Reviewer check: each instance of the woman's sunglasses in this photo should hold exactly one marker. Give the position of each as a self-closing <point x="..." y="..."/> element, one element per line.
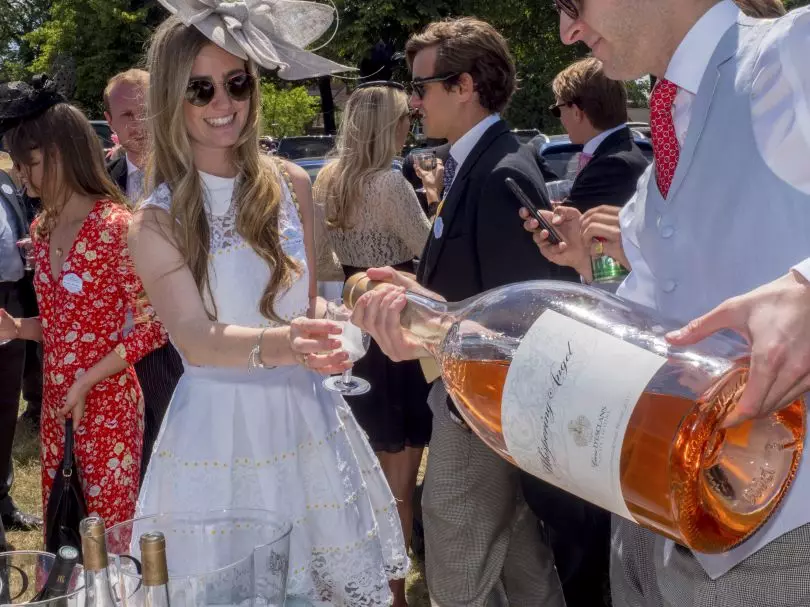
<point x="569" y="7"/>
<point x="201" y="90"/>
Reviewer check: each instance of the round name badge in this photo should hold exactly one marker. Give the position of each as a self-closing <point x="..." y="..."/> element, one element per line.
<point x="72" y="283"/>
<point x="7" y="189"/>
<point x="438" y="227"/>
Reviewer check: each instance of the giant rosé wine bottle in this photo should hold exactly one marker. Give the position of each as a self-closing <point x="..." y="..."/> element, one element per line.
<point x="579" y="388"/>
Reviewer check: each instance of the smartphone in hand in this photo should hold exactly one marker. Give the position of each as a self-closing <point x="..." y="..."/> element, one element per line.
<point x="554" y="236"/>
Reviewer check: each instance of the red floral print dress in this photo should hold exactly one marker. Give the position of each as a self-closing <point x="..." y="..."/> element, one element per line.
<point x="83" y="316"/>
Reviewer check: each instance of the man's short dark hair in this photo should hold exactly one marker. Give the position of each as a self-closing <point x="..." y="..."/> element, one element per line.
<point x="474" y="47"/>
<point x="585" y="85"/>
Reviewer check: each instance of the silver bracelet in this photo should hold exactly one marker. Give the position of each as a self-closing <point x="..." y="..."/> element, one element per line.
<point x="255" y="356"/>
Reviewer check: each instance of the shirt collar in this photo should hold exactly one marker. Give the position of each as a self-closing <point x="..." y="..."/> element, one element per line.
<point x="462" y="148"/>
<point x="592" y="145"/>
<point x="131" y="168"/>
<point x="691" y="58"/>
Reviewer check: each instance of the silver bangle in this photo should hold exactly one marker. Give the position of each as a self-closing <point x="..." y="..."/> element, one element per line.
<point x="255" y="356"/>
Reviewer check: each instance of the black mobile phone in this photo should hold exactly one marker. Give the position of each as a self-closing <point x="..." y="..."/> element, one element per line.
<point x="553" y="235"/>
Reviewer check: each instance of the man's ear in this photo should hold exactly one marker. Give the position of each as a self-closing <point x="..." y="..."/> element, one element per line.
<point x="466" y="86"/>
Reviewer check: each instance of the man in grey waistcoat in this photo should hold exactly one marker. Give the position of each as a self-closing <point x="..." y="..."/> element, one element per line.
<point x="724" y="209"/>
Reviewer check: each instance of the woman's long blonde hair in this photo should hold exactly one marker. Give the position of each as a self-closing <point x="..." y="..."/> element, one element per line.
<point x="366" y="144"/>
<point x="170" y="58"/>
<point x="64" y="136"/>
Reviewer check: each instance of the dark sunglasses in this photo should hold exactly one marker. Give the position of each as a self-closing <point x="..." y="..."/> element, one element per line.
<point x="569" y="7"/>
<point x="417" y="85"/>
<point x="201" y="90"/>
<point x="555" y="109"/>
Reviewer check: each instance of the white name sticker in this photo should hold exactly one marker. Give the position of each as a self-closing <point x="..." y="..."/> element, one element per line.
<point x="72" y="283"/>
<point x="569" y="395"/>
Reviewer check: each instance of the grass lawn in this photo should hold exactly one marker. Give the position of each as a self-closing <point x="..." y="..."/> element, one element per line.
<point x="27" y="495"/>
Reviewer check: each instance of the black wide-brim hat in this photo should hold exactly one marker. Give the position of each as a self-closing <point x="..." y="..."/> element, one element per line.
<point x="20" y="101"/>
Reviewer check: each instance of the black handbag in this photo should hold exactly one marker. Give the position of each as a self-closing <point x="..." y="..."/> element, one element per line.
<point x="66" y="506"/>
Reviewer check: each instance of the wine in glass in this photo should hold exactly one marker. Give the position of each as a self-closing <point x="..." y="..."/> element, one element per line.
<point x="355" y="343"/>
<point x="425" y="160"/>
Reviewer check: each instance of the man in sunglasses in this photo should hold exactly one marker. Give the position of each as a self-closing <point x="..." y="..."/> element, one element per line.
<point x="724" y="209"/>
<point x="125" y="110"/>
<point x="593" y="111"/>
<point x="483" y="544"/>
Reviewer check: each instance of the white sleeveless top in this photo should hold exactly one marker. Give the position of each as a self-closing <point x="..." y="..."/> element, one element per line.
<point x="238" y="276"/>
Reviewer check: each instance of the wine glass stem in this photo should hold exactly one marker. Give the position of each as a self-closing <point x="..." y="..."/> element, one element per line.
<point x="346" y="378"/>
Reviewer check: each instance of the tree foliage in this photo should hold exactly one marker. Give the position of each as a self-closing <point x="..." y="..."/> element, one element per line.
<point x="287" y="111"/>
<point x="106" y="36"/>
<point x="532" y="29"/>
<point x="102" y="36"/>
<point x="17" y="19"/>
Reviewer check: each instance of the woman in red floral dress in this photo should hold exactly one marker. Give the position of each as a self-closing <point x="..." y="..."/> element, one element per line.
<point x="86" y="289"/>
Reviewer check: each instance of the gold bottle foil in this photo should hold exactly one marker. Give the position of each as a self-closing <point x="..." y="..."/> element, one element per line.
<point x="153" y="555"/>
<point x="94" y="546"/>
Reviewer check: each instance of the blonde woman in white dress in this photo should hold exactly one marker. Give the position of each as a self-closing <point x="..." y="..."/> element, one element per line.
<point x="224" y="246"/>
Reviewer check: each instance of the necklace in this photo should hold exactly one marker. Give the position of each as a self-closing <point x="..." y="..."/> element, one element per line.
<point x="59" y="251"/>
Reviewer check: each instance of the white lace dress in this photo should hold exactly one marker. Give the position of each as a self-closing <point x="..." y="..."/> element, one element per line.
<point x="275" y="439"/>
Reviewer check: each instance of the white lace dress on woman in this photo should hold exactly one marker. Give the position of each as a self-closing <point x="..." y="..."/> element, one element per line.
<point x="275" y="439"/>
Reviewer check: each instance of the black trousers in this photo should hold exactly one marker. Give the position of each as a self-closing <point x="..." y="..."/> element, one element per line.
<point x="158" y="373"/>
<point x="32" y="371"/>
<point x="12" y="362"/>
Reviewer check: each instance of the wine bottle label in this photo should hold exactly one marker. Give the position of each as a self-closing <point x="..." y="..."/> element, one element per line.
<point x="569" y="395"/>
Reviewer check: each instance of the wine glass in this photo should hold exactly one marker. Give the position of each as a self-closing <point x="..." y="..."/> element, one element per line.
<point x="353" y="341"/>
<point x="425" y="160"/>
<point x="28" y="250"/>
<point x="559" y="190"/>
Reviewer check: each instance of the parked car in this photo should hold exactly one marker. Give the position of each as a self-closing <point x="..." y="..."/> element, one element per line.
<point x="306" y="146"/>
<point x="526" y="135"/>
<point x="104" y="133"/>
<point x="561" y="155"/>
<point x="313" y="166"/>
<point x="641" y="128"/>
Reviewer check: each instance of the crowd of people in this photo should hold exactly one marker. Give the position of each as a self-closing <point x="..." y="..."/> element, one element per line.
<point x="177" y="327"/>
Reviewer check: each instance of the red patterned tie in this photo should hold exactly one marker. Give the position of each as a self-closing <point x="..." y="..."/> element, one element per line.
<point x="666" y="149"/>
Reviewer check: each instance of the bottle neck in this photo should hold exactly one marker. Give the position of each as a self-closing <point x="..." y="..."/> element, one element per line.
<point x="156" y="596"/>
<point x="429" y="320"/>
<point x="98" y="589"/>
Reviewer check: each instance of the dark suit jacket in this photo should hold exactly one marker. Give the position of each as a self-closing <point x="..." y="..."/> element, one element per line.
<point x="118" y="170"/>
<point x="483" y="244"/>
<point x="611" y="175"/>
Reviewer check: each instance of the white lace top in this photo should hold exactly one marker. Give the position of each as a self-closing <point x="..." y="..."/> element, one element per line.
<point x="238" y="276"/>
<point x="388" y="224"/>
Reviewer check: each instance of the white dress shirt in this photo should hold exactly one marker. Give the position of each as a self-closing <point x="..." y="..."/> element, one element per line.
<point x="462" y="148"/>
<point x="780" y="108"/>
<point x="134" y="182"/>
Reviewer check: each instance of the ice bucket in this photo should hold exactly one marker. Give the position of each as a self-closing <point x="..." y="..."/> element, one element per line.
<point x="224" y="557"/>
<point x="24" y="573"/>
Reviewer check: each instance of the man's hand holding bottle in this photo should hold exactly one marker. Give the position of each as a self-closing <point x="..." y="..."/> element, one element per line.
<point x="378" y="313"/>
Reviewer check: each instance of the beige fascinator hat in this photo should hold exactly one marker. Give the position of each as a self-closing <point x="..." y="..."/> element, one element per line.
<point x="272" y="33"/>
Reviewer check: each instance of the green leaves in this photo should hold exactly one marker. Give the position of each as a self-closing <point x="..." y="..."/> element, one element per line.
<point x="102" y="36"/>
<point x="287" y="111"/>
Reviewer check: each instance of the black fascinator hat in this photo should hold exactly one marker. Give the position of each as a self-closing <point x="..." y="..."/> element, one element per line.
<point x="20" y="101"/>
